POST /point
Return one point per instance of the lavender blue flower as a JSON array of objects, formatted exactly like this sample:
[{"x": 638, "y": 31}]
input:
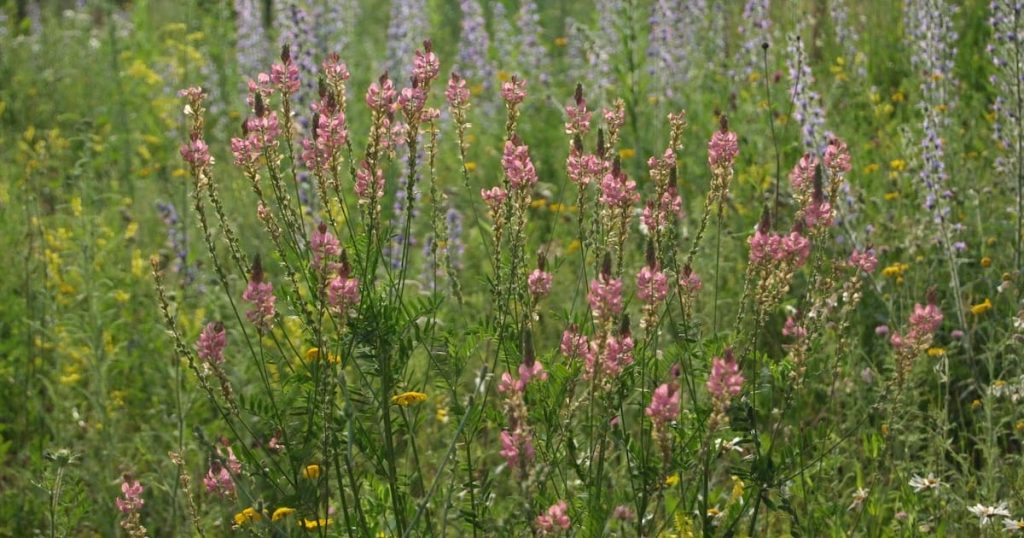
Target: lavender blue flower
[
  {"x": 473, "y": 62},
  {"x": 406, "y": 31},
  {"x": 252, "y": 49}
]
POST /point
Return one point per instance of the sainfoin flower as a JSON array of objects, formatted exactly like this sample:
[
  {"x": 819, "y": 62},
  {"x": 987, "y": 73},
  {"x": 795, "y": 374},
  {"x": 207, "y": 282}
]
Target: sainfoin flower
[
  {"x": 651, "y": 285},
  {"x": 259, "y": 293},
  {"x": 212, "y": 341},
  {"x": 664, "y": 406},
  {"x": 323, "y": 246},
  {"x": 196, "y": 153},
  {"x": 517, "y": 164},
  {"x": 131, "y": 499},
  {"x": 556, "y": 517},
  {"x": 864, "y": 260},
  {"x": 723, "y": 147},
  {"x": 218, "y": 480},
  {"x": 342, "y": 291},
  {"x": 539, "y": 282},
  {"x": 514, "y": 91},
  {"x": 605, "y": 297},
  {"x": 516, "y": 448},
  {"x": 725, "y": 380}
]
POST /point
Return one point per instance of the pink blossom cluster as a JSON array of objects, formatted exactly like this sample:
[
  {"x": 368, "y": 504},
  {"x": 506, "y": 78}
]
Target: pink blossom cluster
[
  {"x": 342, "y": 290},
  {"x": 924, "y": 321},
  {"x": 380, "y": 96},
  {"x": 801, "y": 177},
  {"x": 793, "y": 330},
  {"x": 793, "y": 248},
  {"x": 865, "y": 260},
  {"x": 578, "y": 122},
  {"x": 494, "y": 198},
  {"x": 131, "y": 500},
  {"x": 335, "y": 71},
  {"x": 605, "y": 297},
  {"x": 457, "y": 92},
  {"x": 725, "y": 380},
  {"x": 196, "y": 153},
  {"x": 369, "y": 184},
  {"x": 330, "y": 133},
  {"x": 285, "y": 77},
  {"x": 617, "y": 190},
  {"x": 656, "y": 215},
  {"x": 517, "y": 164},
  {"x": 837, "y": 156},
  {"x": 818, "y": 212},
  {"x": 527, "y": 373},
  {"x": 425, "y": 65},
  {"x": 651, "y": 285},
  {"x": 323, "y": 246},
  {"x": 615, "y": 117},
  {"x": 219, "y": 477},
  {"x": 617, "y": 355},
  {"x": 516, "y": 448},
  {"x": 690, "y": 281},
  {"x": 539, "y": 282},
  {"x": 514, "y": 91},
  {"x": 212, "y": 341},
  {"x": 723, "y": 147},
  {"x": 584, "y": 167},
  {"x": 664, "y": 406},
  {"x": 259, "y": 293},
  {"x": 556, "y": 518}
]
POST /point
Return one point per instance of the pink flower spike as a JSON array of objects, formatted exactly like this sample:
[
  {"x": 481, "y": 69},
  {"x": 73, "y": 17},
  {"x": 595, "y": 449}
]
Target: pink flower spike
[
  {"x": 212, "y": 341},
  {"x": 556, "y": 517},
  {"x": 664, "y": 407},
  {"x": 725, "y": 380},
  {"x": 539, "y": 283},
  {"x": 723, "y": 146},
  {"x": 514, "y": 91}
]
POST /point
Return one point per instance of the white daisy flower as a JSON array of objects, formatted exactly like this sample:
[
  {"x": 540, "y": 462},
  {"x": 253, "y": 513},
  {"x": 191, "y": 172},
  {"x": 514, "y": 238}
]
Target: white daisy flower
[
  {"x": 920, "y": 483},
  {"x": 987, "y": 513},
  {"x": 859, "y": 497}
]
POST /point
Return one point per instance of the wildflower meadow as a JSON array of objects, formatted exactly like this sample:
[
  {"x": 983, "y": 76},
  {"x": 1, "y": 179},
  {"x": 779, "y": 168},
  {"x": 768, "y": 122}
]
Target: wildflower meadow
[{"x": 524, "y": 268}]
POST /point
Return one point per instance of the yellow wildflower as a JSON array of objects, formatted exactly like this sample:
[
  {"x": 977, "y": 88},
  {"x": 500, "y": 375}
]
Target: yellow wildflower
[
  {"x": 249, "y": 515},
  {"x": 627, "y": 153},
  {"x": 982, "y": 307},
  {"x": 471, "y": 166},
  {"x": 986, "y": 262},
  {"x": 131, "y": 230},
  {"x": 314, "y": 524},
  {"x": 282, "y": 513},
  {"x": 504, "y": 76},
  {"x": 406, "y": 399},
  {"x": 314, "y": 353},
  {"x": 574, "y": 246},
  {"x": 872, "y": 168},
  {"x": 76, "y": 206},
  {"x": 1019, "y": 426},
  {"x": 672, "y": 480},
  {"x": 442, "y": 415},
  {"x": 975, "y": 405},
  {"x": 561, "y": 41},
  {"x": 122, "y": 296},
  {"x": 311, "y": 471},
  {"x": 895, "y": 270},
  {"x": 898, "y": 165},
  {"x": 936, "y": 352},
  {"x": 737, "y": 488},
  {"x": 539, "y": 203},
  {"x": 890, "y": 196},
  {"x": 898, "y": 97}
]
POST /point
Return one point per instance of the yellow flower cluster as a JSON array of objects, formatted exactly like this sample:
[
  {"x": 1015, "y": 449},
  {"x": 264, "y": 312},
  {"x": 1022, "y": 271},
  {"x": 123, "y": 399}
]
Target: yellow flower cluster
[{"x": 406, "y": 399}]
